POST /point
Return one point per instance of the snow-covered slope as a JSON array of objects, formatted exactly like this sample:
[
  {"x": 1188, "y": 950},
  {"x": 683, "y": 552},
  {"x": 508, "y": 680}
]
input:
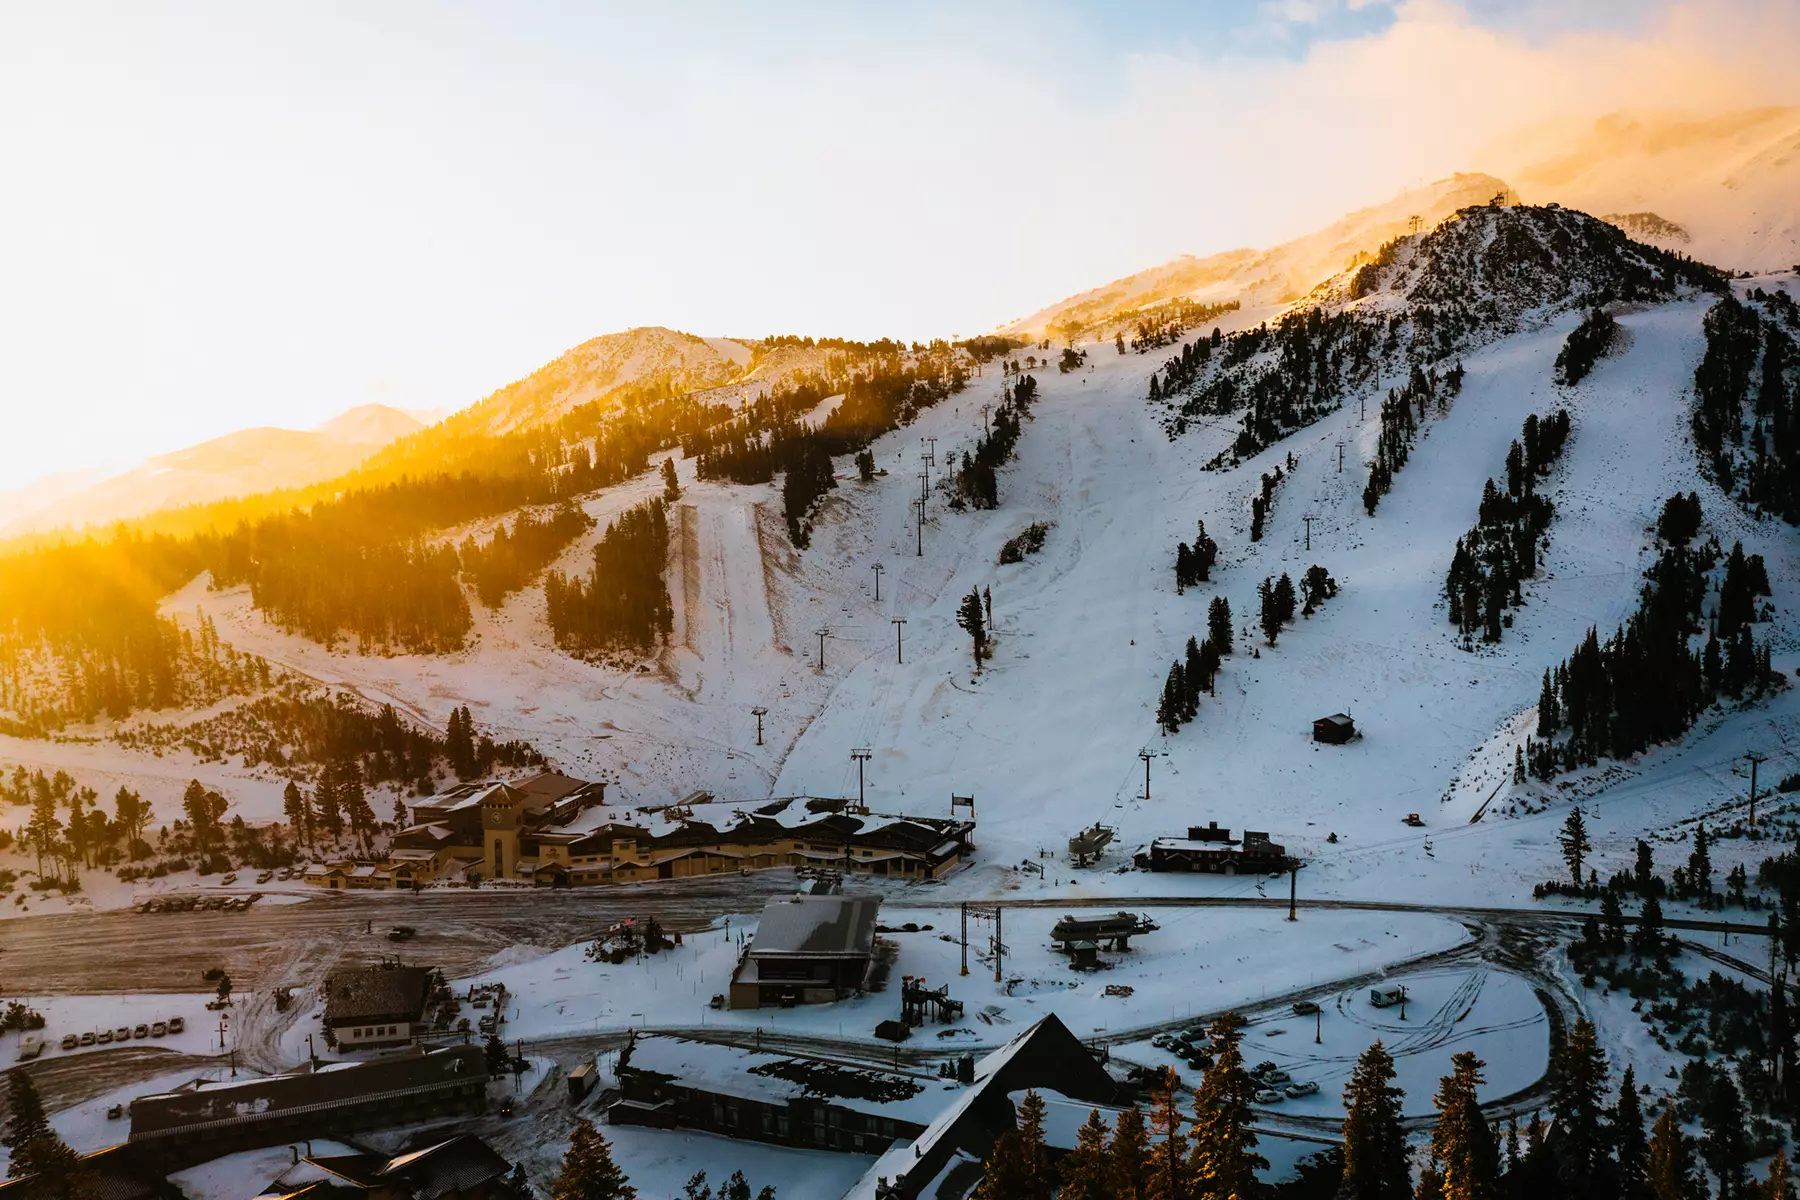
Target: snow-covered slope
[
  {"x": 600, "y": 366},
  {"x": 1726, "y": 186},
  {"x": 237, "y": 464},
  {"x": 1046, "y": 736},
  {"x": 1279, "y": 275}
]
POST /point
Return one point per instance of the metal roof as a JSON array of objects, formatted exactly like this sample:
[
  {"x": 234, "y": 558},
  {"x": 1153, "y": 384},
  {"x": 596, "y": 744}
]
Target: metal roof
[{"x": 817, "y": 927}]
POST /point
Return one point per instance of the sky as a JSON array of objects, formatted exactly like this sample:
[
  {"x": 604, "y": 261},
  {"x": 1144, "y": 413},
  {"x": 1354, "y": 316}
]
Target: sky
[{"x": 216, "y": 216}]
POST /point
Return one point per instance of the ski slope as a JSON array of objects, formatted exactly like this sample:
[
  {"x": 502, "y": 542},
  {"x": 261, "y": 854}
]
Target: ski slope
[{"x": 1047, "y": 735}]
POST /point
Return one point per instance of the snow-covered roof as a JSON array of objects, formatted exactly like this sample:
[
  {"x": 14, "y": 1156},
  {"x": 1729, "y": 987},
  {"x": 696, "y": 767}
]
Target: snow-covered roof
[
  {"x": 816, "y": 927},
  {"x": 780, "y": 1079},
  {"x": 1063, "y": 1117}
]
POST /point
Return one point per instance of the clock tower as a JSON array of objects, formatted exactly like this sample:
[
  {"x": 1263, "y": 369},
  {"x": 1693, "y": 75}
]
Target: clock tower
[{"x": 501, "y": 809}]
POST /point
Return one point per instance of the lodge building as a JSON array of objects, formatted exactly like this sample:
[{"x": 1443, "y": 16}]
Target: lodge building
[{"x": 552, "y": 830}]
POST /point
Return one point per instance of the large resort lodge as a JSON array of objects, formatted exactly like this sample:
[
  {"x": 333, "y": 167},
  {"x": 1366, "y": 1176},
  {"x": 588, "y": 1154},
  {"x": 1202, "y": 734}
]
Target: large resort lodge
[{"x": 551, "y": 830}]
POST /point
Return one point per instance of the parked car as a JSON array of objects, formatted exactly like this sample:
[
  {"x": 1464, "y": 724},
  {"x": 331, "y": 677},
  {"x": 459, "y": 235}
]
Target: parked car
[
  {"x": 1263, "y": 1068},
  {"x": 1305, "y": 1008},
  {"x": 70, "y": 1041},
  {"x": 88, "y": 1038},
  {"x": 1267, "y": 1096},
  {"x": 1387, "y": 995},
  {"x": 1163, "y": 1041},
  {"x": 159, "y": 1029},
  {"x": 264, "y": 876},
  {"x": 104, "y": 1037},
  {"x": 1277, "y": 1078},
  {"x": 122, "y": 1034},
  {"x": 30, "y": 1046},
  {"x": 177, "y": 1024},
  {"x": 141, "y": 1031},
  {"x": 1297, "y": 1090},
  {"x": 228, "y": 880}
]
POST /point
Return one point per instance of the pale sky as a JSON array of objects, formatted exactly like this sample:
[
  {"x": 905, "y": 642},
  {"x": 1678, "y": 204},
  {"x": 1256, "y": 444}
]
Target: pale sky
[{"x": 218, "y": 216}]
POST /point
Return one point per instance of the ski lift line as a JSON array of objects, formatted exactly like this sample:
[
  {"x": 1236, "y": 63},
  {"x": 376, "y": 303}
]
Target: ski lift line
[{"x": 1591, "y": 804}]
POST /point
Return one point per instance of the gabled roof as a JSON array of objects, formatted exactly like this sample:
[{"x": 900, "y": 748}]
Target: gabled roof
[
  {"x": 459, "y": 1164},
  {"x": 1046, "y": 1057}
]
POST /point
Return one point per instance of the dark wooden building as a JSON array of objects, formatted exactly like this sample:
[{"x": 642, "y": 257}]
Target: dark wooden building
[
  {"x": 1211, "y": 848},
  {"x": 204, "y": 1119},
  {"x": 822, "y": 1104},
  {"x": 462, "y": 1168},
  {"x": 807, "y": 950},
  {"x": 1334, "y": 730}
]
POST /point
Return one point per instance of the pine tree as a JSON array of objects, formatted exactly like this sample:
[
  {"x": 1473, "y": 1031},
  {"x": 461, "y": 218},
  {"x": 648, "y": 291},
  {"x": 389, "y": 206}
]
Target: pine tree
[
  {"x": 1780, "y": 1184},
  {"x": 459, "y": 743},
  {"x": 1631, "y": 1155},
  {"x": 330, "y": 815},
  {"x": 36, "y": 1148},
  {"x": 1647, "y": 938},
  {"x": 1574, "y": 842},
  {"x": 1128, "y": 1165},
  {"x": 1284, "y": 598},
  {"x": 1194, "y": 675},
  {"x": 496, "y": 1056},
  {"x": 1723, "y": 1142},
  {"x": 1375, "y": 1153},
  {"x": 353, "y": 800},
  {"x": 1671, "y": 1161},
  {"x": 1700, "y": 869},
  {"x": 1170, "y": 708},
  {"x": 1218, "y": 624},
  {"x": 1224, "y": 1161},
  {"x": 1461, "y": 1144},
  {"x": 1577, "y": 1088},
  {"x": 1166, "y": 1175},
  {"x": 1549, "y": 719},
  {"x": 299, "y": 813},
  {"x": 1018, "y": 1167},
  {"x": 588, "y": 1170},
  {"x": 1083, "y": 1172},
  {"x": 968, "y": 615},
  {"x": 671, "y": 485},
  {"x": 1270, "y": 611}
]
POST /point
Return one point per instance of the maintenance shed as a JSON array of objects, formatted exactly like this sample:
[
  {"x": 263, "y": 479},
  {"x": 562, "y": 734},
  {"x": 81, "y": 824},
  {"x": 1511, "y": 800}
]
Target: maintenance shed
[
  {"x": 1334, "y": 730},
  {"x": 807, "y": 950}
]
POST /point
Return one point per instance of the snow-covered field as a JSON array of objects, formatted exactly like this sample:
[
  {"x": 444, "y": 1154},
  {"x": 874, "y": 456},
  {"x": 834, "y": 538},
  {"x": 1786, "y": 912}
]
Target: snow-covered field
[
  {"x": 1492, "y": 1012},
  {"x": 1200, "y": 961}
]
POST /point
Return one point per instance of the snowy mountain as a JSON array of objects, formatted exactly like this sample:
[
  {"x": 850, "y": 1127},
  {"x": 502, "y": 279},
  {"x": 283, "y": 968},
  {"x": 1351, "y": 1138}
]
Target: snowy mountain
[
  {"x": 1046, "y": 735},
  {"x": 1277, "y": 276},
  {"x": 1723, "y": 188},
  {"x": 237, "y": 464},
  {"x": 649, "y": 355}
]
